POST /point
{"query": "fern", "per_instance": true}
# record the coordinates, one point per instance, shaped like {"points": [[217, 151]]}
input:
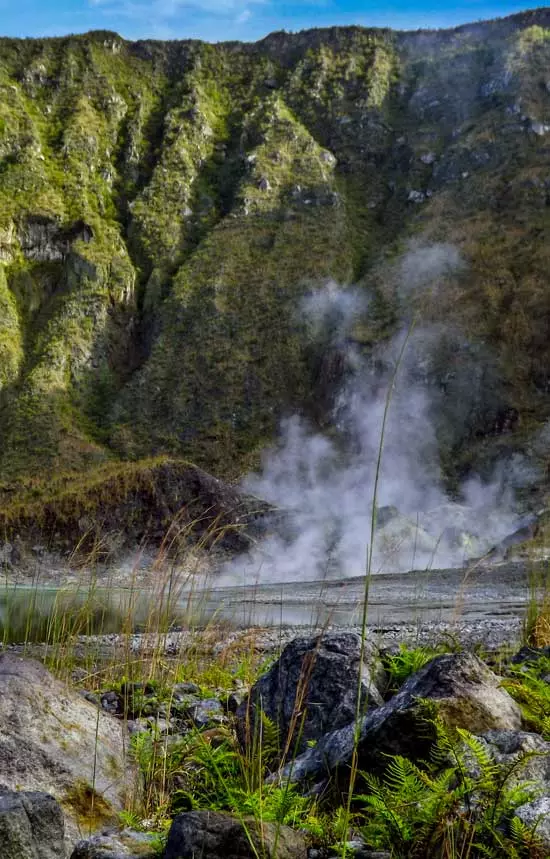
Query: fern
{"points": [[527, 686], [526, 841], [460, 803], [405, 662]]}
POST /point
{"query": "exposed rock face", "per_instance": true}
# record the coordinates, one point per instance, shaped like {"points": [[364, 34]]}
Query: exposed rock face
{"points": [[317, 676], [31, 826], [467, 695], [218, 836], [48, 742], [44, 240]]}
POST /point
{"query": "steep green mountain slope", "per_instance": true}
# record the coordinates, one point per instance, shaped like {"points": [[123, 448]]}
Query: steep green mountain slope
{"points": [[165, 206]]}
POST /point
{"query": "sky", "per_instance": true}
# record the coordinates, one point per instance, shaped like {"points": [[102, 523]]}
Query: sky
{"points": [[219, 20]]}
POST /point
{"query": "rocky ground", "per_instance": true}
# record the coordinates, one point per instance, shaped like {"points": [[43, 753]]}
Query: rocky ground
{"points": [[316, 678]]}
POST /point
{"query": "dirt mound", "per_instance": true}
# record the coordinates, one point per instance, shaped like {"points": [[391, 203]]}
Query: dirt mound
{"points": [[168, 503]]}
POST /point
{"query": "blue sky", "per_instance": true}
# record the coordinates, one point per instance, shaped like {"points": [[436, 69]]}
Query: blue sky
{"points": [[217, 20]]}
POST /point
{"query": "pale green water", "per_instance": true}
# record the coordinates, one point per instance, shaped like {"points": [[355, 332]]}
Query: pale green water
{"points": [[39, 614]]}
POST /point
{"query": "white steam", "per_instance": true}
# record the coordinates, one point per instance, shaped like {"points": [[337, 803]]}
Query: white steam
{"points": [[323, 487]]}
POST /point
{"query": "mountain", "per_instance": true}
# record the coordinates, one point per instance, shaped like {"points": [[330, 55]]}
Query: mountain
{"points": [[166, 206]]}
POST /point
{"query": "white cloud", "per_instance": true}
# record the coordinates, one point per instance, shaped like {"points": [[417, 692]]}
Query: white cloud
{"points": [[244, 16]]}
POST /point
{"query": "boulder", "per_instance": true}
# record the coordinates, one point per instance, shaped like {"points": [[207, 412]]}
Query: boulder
{"points": [[536, 815], [118, 845], [509, 747], [52, 739], [318, 677], [219, 836], [31, 826], [465, 693]]}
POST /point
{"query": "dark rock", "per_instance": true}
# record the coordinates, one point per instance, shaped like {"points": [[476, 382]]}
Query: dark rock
{"points": [[117, 845], [234, 701], [92, 698], [31, 826], [530, 654], [112, 703], [183, 704], [467, 694], [319, 675], [43, 240], [217, 836], [180, 690]]}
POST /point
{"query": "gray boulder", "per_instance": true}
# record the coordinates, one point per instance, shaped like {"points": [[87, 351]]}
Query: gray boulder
{"points": [[52, 739], [465, 693], [527, 757], [117, 845], [510, 747], [31, 826], [317, 676], [536, 815], [219, 836]]}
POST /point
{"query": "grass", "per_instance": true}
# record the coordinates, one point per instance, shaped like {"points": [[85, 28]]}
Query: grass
{"points": [[536, 623], [208, 768]]}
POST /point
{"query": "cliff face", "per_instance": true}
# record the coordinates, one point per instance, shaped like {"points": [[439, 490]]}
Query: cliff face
{"points": [[165, 206]]}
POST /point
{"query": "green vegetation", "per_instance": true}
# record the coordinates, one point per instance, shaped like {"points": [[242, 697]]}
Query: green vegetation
{"points": [[528, 684], [460, 804], [406, 661], [165, 207]]}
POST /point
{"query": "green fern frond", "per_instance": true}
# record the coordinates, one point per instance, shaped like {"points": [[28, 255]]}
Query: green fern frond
{"points": [[480, 752]]}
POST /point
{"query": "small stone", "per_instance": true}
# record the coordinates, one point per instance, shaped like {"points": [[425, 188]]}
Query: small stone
{"points": [[180, 690], [206, 712], [539, 128], [234, 701], [328, 157], [112, 703], [264, 184]]}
